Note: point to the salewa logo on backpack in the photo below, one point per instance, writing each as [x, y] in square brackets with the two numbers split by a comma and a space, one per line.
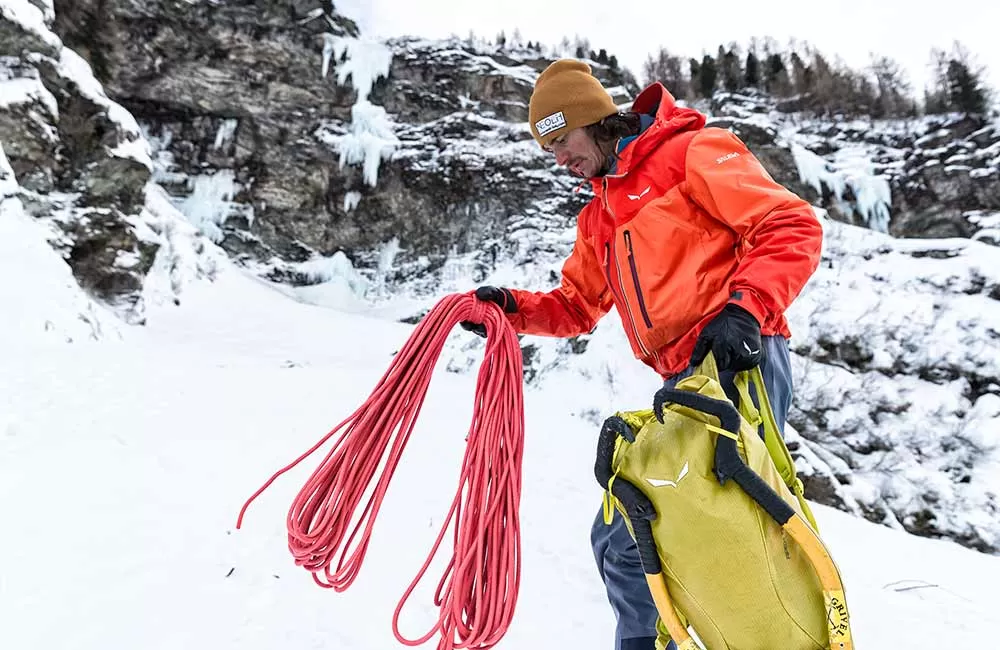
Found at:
[728, 156]
[658, 482]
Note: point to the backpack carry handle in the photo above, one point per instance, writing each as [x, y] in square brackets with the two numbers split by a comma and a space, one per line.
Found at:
[641, 512]
[637, 505]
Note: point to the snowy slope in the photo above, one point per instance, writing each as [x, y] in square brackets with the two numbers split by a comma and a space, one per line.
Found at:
[60, 309]
[124, 462]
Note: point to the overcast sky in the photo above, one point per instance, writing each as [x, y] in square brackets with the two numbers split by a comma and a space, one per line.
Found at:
[851, 30]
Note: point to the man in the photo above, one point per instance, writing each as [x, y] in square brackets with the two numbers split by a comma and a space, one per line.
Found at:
[692, 242]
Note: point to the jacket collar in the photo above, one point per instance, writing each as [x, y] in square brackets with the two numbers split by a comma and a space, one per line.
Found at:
[669, 119]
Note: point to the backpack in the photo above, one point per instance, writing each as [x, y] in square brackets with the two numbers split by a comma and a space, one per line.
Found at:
[726, 538]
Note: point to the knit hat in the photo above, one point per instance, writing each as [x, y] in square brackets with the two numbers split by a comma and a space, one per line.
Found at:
[566, 96]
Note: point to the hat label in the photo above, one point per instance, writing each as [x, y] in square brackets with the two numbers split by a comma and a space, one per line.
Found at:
[550, 123]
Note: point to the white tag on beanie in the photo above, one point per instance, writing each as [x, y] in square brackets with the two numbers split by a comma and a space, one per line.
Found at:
[550, 123]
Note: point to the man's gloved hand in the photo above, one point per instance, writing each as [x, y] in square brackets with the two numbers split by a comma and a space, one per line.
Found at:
[497, 295]
[733, 337]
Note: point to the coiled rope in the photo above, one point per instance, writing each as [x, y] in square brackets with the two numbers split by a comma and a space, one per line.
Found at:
[478, 591]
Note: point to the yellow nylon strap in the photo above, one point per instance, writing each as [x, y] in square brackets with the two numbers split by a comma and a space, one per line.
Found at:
[777, 449]
[722, 432]
[799, 490]
[609, 505]
[747, 408]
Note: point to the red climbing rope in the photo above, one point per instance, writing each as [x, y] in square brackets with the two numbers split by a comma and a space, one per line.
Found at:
[478, 591]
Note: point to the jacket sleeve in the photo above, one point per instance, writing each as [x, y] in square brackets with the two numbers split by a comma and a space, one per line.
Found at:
[779, 238]
[575, 306]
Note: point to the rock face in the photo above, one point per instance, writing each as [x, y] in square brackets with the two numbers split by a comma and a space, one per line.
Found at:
[943, 173]
[950, 183]
[78, 156]
[233, 93]
[310, 139]
[933, 177]
[238, 99]
[306, 150]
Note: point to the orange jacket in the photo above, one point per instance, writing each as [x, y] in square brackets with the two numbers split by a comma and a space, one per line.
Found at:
[689, 221]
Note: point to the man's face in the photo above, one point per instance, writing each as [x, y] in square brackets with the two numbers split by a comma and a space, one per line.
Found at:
[577, 152]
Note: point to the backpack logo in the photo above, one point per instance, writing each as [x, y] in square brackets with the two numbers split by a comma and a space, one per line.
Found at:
[728, 156]
[550, 123]
[636, 197]
[657, 482]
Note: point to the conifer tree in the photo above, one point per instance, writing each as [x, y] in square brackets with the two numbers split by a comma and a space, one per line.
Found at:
[708, 76]
[752, 73]
[730, 71]
[694, 68]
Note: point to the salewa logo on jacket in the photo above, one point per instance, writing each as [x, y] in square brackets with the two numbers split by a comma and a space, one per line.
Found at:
[657, 482]
[636, 197]
[728, 156]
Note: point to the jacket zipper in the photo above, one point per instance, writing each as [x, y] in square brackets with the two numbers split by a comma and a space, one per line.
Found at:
[607, 266]
[635, 281]
[609, 256]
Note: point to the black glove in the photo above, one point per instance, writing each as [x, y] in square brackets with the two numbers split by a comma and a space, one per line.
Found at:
[497, 295]
[733, 337]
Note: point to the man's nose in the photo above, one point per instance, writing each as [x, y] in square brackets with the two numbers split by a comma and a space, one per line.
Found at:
[561, 158]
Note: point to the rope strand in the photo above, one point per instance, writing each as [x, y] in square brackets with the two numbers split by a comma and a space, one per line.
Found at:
[477, 592]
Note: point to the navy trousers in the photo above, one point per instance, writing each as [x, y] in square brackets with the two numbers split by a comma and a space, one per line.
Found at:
[614, 549]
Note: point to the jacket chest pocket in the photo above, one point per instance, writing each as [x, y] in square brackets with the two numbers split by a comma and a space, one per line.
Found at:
[669, 263]
[622, 272]
[633, 266]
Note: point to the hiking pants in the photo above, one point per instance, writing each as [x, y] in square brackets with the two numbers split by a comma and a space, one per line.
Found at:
[615, 550]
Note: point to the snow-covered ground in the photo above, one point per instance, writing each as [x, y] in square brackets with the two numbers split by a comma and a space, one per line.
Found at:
[124, 461]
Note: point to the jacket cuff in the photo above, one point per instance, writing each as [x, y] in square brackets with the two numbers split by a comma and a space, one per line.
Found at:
[518, 320]
[748, 300]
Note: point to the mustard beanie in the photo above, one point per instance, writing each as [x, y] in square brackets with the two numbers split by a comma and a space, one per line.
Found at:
[566, 96]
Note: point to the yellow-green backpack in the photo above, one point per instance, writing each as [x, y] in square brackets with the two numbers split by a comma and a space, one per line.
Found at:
[726, 538]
